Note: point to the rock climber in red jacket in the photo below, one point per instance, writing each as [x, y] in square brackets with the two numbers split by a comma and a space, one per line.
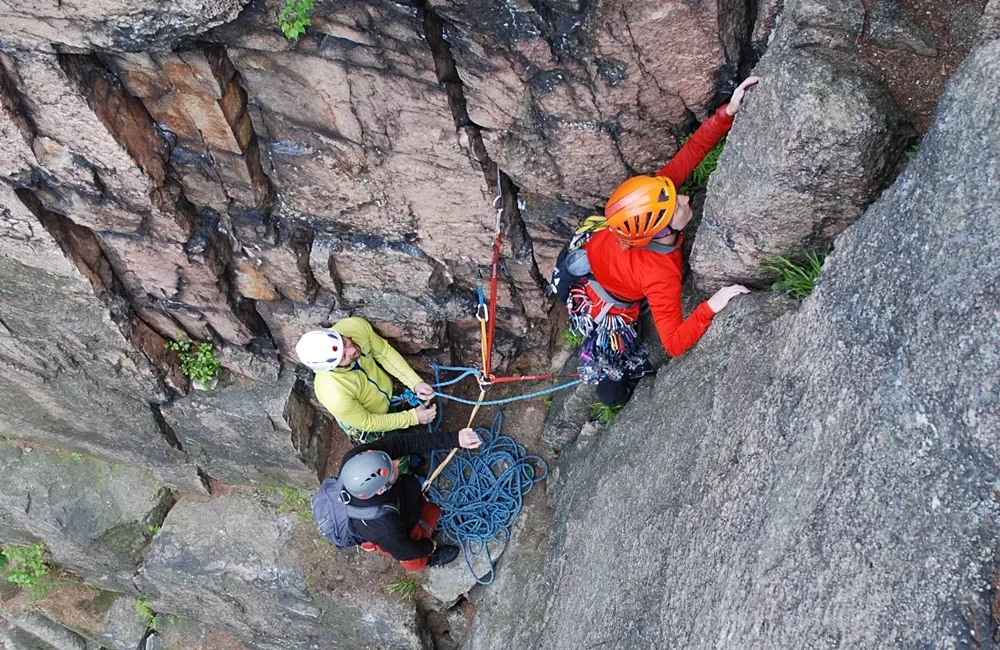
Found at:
[639, 257]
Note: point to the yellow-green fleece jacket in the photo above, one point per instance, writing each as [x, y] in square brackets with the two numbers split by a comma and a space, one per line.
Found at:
[349, 392]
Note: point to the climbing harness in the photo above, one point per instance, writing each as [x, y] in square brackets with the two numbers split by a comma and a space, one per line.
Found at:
[612, 347]
[611, 344]
[480, 494]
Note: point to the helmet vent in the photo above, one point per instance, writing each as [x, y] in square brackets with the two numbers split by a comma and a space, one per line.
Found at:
[663, 196]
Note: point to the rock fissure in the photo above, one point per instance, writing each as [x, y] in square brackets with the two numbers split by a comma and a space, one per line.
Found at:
[165, 429]
[518, 246]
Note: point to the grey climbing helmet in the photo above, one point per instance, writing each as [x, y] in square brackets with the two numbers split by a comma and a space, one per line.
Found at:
[365, 474]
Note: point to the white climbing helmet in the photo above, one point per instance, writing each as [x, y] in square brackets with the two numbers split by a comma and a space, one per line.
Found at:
[320, 349]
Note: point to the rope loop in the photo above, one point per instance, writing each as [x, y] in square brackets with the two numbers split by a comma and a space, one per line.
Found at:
[481, 493]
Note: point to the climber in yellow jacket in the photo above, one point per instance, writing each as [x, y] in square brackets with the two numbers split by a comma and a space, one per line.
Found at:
[350, 361]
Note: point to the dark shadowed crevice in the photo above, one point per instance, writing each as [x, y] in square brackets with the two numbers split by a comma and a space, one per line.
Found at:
[235, 107]
[518, 257]
[736, 28]
[166, 430]
[125, 117]
[12, 100]
[81, 247]
[78, 244]
[205, 479]
[312, 432]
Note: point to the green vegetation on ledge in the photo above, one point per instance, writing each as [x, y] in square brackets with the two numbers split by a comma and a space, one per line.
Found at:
[294, 18]
[698, 180]
[603, 413]
[796, 278]
[200, 365]
[25, 566]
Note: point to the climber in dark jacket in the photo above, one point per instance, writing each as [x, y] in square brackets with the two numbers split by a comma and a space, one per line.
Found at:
[370, 474]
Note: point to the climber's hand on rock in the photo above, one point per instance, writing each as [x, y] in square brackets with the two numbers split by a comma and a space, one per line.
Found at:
[469, 439]
[737, 100]
[423, 390]
[426, 415]
[722, 297]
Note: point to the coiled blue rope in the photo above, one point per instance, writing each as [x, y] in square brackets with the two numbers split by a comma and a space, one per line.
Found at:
[480, 492]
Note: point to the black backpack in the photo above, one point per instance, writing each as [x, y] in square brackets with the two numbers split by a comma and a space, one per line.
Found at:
[332, 512]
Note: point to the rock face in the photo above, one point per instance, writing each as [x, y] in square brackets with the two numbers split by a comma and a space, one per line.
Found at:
[573, 98]
[89, 366]
[234, 563]
[111, 24]
[239, 434]
[838, 458]
[790, 190]
[94, 517]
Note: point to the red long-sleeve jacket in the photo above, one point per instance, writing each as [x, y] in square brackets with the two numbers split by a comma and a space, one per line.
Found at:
[632, 274]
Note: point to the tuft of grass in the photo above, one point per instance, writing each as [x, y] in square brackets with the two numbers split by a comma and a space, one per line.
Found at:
[698, 180]
[77, 456]
[911, 151]
[199, 364]
[25, 565]
[153, 529]
[571, 338]
[146, 614]
[294, 502]
[797, 278]
[603, 413]
[294, 18]
[404, 588]
[547, 401]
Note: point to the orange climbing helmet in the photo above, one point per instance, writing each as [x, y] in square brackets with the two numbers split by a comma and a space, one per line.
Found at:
[640, 208]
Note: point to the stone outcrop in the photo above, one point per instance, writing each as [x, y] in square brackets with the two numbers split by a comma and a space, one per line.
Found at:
[573, 98]
[836, 458]
[73, 615]
[239, 433]
[233, 563]
[111, 24]
[32, 631]
[87, 364]
[94, 517]
[785, 191]
[184, 634]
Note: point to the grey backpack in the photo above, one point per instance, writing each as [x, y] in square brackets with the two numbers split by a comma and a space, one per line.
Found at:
[333, 511]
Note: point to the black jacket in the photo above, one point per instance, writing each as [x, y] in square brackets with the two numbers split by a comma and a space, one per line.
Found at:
[392, 532]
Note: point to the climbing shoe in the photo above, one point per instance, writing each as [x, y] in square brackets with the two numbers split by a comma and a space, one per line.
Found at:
[442, 555]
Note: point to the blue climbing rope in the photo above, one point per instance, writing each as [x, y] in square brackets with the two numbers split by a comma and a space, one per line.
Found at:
[407, 397]
[508, 400]
[466, 371]
[480, 492]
